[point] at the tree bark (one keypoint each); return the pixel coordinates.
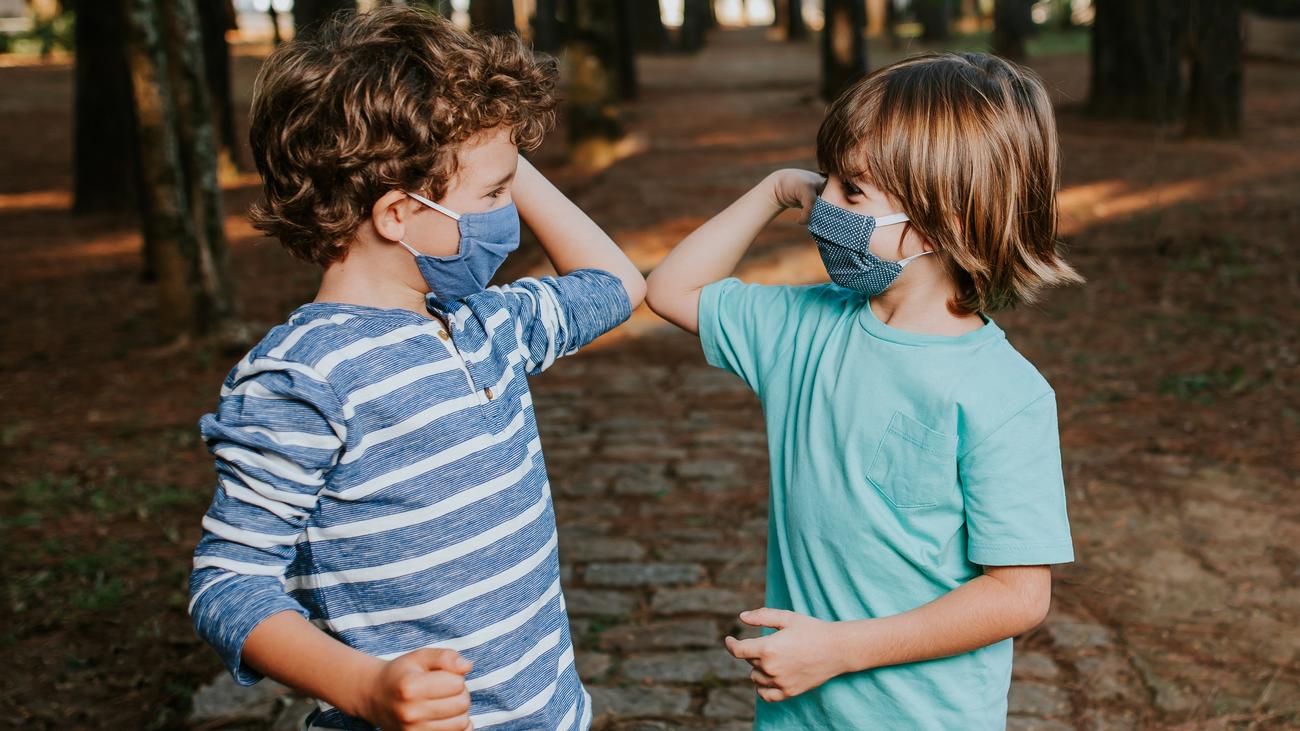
(648, 25)
(594, 56)
(493, 16)
(199, 152)
(695, 24)
(184, 217)
(215, 18)
(795, 28)
(1012, 23)
(310, 13)
(105, 176)
(623, 53)
(1136, 59)
(546, 26)
(844, 48)
(1215, 72)
(935, 17)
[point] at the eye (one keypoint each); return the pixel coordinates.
(851, 190)
(498, 192)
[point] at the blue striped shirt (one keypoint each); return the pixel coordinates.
(384, 478)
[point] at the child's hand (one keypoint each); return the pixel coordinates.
(801, 656)
(793, 188)
(424, 690)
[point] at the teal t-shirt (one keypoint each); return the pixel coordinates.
(901, 463)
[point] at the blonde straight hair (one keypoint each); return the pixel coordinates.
(967, 144)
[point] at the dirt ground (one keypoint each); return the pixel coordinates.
(1176, 368)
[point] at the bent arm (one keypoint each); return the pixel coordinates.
(1006, 601)
(291, 650)
(713, 250)
(569, 237)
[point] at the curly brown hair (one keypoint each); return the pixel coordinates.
(377, 102)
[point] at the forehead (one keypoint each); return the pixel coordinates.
(490, 154)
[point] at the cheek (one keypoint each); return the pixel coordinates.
(437, 235)
(887, 242)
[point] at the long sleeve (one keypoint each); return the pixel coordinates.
(275, 436)
(559, 315)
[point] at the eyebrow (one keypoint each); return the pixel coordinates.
(502, 181)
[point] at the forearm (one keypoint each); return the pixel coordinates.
(708, 254)
(293, 651)
(569, 237)
(985, 610)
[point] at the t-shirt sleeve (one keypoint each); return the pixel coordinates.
(559, 315)
(745, 327)
(275, 436)
(1015, 492)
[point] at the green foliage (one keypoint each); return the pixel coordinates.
(1202, 388)
(44, 37)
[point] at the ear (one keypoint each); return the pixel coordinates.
(390, 214)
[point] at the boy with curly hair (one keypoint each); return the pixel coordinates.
(382, 535)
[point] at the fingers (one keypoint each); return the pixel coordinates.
(744, 649)
(765, 617)
(771, 695)
(762, 679)
(437, 658)
(437, 685)
(442, 714)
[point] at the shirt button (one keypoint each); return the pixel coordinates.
(443, 334)
(488, 391)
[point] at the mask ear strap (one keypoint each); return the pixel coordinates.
(408, 248)
(439, 208)
(909, 259)
(891, 219)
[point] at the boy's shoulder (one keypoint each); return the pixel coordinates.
(998, 382)
(315, 336)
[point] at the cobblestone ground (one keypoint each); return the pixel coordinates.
(659, 476)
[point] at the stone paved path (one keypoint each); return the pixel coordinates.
(659, 476)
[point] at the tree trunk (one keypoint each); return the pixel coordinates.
(105, 176)
(844, 49)
(1136, 59)
(310, 13)
(795, 28)
(935, 17)
(546, 27)
(199, 151)
(493, 16)
(695, 24)
(648, 25)
(594, 57)
(215, 18)
(441, 7)
(623, 54)
(184, 216)
(1012, 23)
(1215, 71)
(276, 36)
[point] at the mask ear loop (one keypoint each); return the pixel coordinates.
(439, 208)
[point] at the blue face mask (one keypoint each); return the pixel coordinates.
(486, 239)
(844, 240)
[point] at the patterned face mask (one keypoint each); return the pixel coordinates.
(844, 239)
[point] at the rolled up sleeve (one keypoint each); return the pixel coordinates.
(559, 315)
(275, 441)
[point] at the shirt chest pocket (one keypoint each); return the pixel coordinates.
(914, 466)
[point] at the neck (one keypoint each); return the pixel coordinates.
(918, 302)
(386, 278)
